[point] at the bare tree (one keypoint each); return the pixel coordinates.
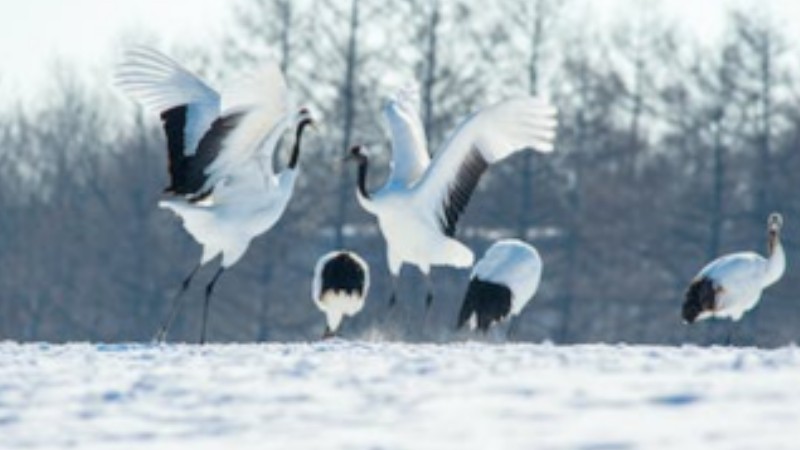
(760, 50)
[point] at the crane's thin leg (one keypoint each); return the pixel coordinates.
(209, 291)
(328, 333)
(429, 295)
(393, 298)
(426, 316)
(161, 334)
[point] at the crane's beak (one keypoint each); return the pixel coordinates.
(353, 154)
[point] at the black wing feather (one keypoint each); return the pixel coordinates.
(700, 297)
(187, 172)
(461, 190)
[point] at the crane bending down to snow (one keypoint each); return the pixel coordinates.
(731, 285)
(341, 283)
(501, 284)
(222, 183)
(418, 207)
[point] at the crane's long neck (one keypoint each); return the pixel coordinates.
(297, 138)
(776, 263)
(363, 165)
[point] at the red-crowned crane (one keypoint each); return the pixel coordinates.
(220, 151)
(418, 207)
(731, 285)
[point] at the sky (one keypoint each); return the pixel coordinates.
(89, 33)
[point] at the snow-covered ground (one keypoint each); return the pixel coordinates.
(353, 395)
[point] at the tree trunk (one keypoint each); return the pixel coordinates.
(285, 8)
(345, 182)
(524, 216)
(430, 68)
(717, 193)
(763, 174)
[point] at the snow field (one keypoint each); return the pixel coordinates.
(371, 395)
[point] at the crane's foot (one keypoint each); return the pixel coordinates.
(328, 334)
(160, 337)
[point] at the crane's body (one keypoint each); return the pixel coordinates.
(413, 238)
(225, 229)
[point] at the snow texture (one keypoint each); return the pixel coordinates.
(365, 395)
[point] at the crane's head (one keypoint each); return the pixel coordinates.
(774, 225)
(775, 222)
(358, 153)
(304, 118)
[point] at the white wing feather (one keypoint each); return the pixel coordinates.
(160, 84)
(263, 98)
(495, 132)
(409, 146)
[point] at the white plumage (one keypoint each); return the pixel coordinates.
(419, 206)
(341, 284)
(501, 284)
(407, 133)
(731, 285)
(220, 159)
(160, 84)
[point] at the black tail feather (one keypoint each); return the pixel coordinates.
(489, 302)
(342, 273)
(188, 172)
(700, 297)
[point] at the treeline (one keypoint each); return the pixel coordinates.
(671, 151)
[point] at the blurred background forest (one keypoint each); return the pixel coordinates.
(672, 150)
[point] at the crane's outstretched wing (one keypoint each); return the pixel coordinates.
(243, 141)
(188, 107)
(260, 102)
(206, 146)
(252, 179)
(486, 137)
(409, 147)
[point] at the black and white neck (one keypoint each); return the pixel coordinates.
(359, 154)
(295, 155)
(363, 165)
